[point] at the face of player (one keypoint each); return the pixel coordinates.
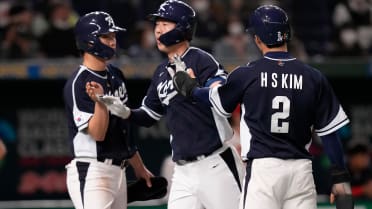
(162, 27)
(109, 39)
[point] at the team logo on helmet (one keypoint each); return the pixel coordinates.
(110, 21)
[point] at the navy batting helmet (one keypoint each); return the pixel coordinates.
(270, 24)
(88, 29)
(180, 13)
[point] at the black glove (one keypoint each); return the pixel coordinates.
(184, 84)
(138, 191)
(341, 188)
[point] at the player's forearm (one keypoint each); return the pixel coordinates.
(136, 162)
(98, 124)
(333, 148)
(201, 95)
(141, 118)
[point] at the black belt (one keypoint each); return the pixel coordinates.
(186, 160)
(122, 163)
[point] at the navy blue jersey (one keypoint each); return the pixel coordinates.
(80, 108)
(195, 128)
(282, 101)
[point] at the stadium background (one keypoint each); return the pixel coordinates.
(32, 122)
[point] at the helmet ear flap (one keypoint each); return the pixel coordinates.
(172, 37)
(85, 43)
(188, 26)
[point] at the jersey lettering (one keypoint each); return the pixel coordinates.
(163, 91)
(121, 91)
(287, 80)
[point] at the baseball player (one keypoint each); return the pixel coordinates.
(100, 143)
(283, 101)
(208, 173)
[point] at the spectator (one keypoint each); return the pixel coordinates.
(59, 41)
(145, 45)
(19, 41)
(352, 21)
(359, 163)
(236, 44)
(211, 23)
(312, 23)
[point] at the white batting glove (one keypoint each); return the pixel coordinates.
(180, 65)
(115, 105)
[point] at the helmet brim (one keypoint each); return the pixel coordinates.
(155, 17)
(117, 29)
(152, 17)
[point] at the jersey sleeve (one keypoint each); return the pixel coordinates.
(83, 107)
(226, 97)
(151, 103)
(209, 70)
(330, 115)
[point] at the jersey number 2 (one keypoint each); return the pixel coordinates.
(276, 125)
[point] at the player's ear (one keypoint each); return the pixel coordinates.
(258, 42)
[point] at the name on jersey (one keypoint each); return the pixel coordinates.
(281, 80)
(121, 91)
(166, 91)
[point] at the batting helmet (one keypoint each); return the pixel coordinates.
(88, 29)
(270, 24)
(180, 13)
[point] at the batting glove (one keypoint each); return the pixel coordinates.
(178, 63)
(115, 105)
(341, 188)
(184, 84)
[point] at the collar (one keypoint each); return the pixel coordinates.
(283, 56)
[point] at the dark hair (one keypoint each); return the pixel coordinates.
(359, 148)
(16, 9)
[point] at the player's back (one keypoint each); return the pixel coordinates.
(280, 104)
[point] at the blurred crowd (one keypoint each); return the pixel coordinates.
(320, 28)
(44, 28)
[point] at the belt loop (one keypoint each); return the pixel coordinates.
(124, 164)
(108, 161)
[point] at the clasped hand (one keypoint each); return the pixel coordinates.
(178, 63)
(115, 105)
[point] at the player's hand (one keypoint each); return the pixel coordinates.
(93, 89)
(341, 189)
(115, 105)
(178, 63)
(140, 169)
(184, 84)
(145, 174)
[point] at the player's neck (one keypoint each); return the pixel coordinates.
(265, 49)
(178, 49)
(93, 62)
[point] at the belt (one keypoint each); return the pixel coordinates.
(186, 160)
(122, 163)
